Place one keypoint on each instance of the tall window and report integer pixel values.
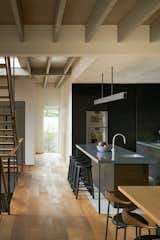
(51, 129)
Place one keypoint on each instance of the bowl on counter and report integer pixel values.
(104, 148)
(101, 148)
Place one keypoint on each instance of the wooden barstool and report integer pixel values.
(117, 220)
(130, 219)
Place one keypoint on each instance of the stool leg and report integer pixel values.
(69, 169)
(77, 182)
(74, 178)
(91, 182)
(107, 221)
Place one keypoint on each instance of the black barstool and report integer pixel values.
(75, 161)
(71, 165)
(83, 178)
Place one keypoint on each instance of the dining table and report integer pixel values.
(146, 198)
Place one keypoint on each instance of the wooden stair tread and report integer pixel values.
(6, 136)
(6, 122)
(4, 87)
(7, 129)
(6, 149)
(4, 106)
(6, 143)
(4, 96)
(11, 160)
(2, 65)
(5, 114)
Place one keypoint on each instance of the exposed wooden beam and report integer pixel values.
(59, 19)
(48, 65)
(28, 62)
(100, 11)
(17, 13)
(155, 30)
(53, 72)
(68, 65)
(139, 14)
(25, 63)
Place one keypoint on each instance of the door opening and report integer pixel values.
(51, 129)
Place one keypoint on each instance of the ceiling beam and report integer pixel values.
(99, 13)
(17, 13)
(28, 62)
(58, 71)
(137, 16)
(25, 63)
(68, 66)
(155, 30)
(59, 19)
(48, 65)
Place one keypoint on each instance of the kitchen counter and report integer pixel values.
(152, 151)
(122, 155)
(128, 168)
(155, 145)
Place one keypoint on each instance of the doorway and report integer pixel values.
(51, 129)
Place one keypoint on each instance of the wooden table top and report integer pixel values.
(147, 198)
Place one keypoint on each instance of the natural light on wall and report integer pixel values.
(14, 62)
(16, 68)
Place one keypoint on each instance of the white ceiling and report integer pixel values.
(126, 68)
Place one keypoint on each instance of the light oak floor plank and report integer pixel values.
(44, 207)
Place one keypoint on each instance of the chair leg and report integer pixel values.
(116, 235)
(136, 232)
(117, 226)
(140, 232)
(107, 221)
(125, 232)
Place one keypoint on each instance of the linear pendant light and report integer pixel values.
(112, 97)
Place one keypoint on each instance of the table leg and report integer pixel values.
(99, 188)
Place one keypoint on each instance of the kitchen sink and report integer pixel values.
(156, 144)
(136, 155)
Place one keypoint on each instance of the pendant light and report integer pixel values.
(112, 97)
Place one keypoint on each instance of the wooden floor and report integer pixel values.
(44, 207)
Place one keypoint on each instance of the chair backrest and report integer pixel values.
(111, 197)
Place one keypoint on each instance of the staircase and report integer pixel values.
(9, 143)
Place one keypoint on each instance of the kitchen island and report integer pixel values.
(128, 168)
(151, 149)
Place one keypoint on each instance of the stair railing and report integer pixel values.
(6, 184)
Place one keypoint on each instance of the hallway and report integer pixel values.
(44, 208)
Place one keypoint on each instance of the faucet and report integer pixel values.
(113, 143)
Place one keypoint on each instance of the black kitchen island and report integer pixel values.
(128, 168)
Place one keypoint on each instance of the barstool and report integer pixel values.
(117, 220)
(75, 161)
(83, 174)
(129, 218)
(71, 165)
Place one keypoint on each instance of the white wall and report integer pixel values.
(25, 91)
(36, 98)
(66, 119)
(43, 97)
